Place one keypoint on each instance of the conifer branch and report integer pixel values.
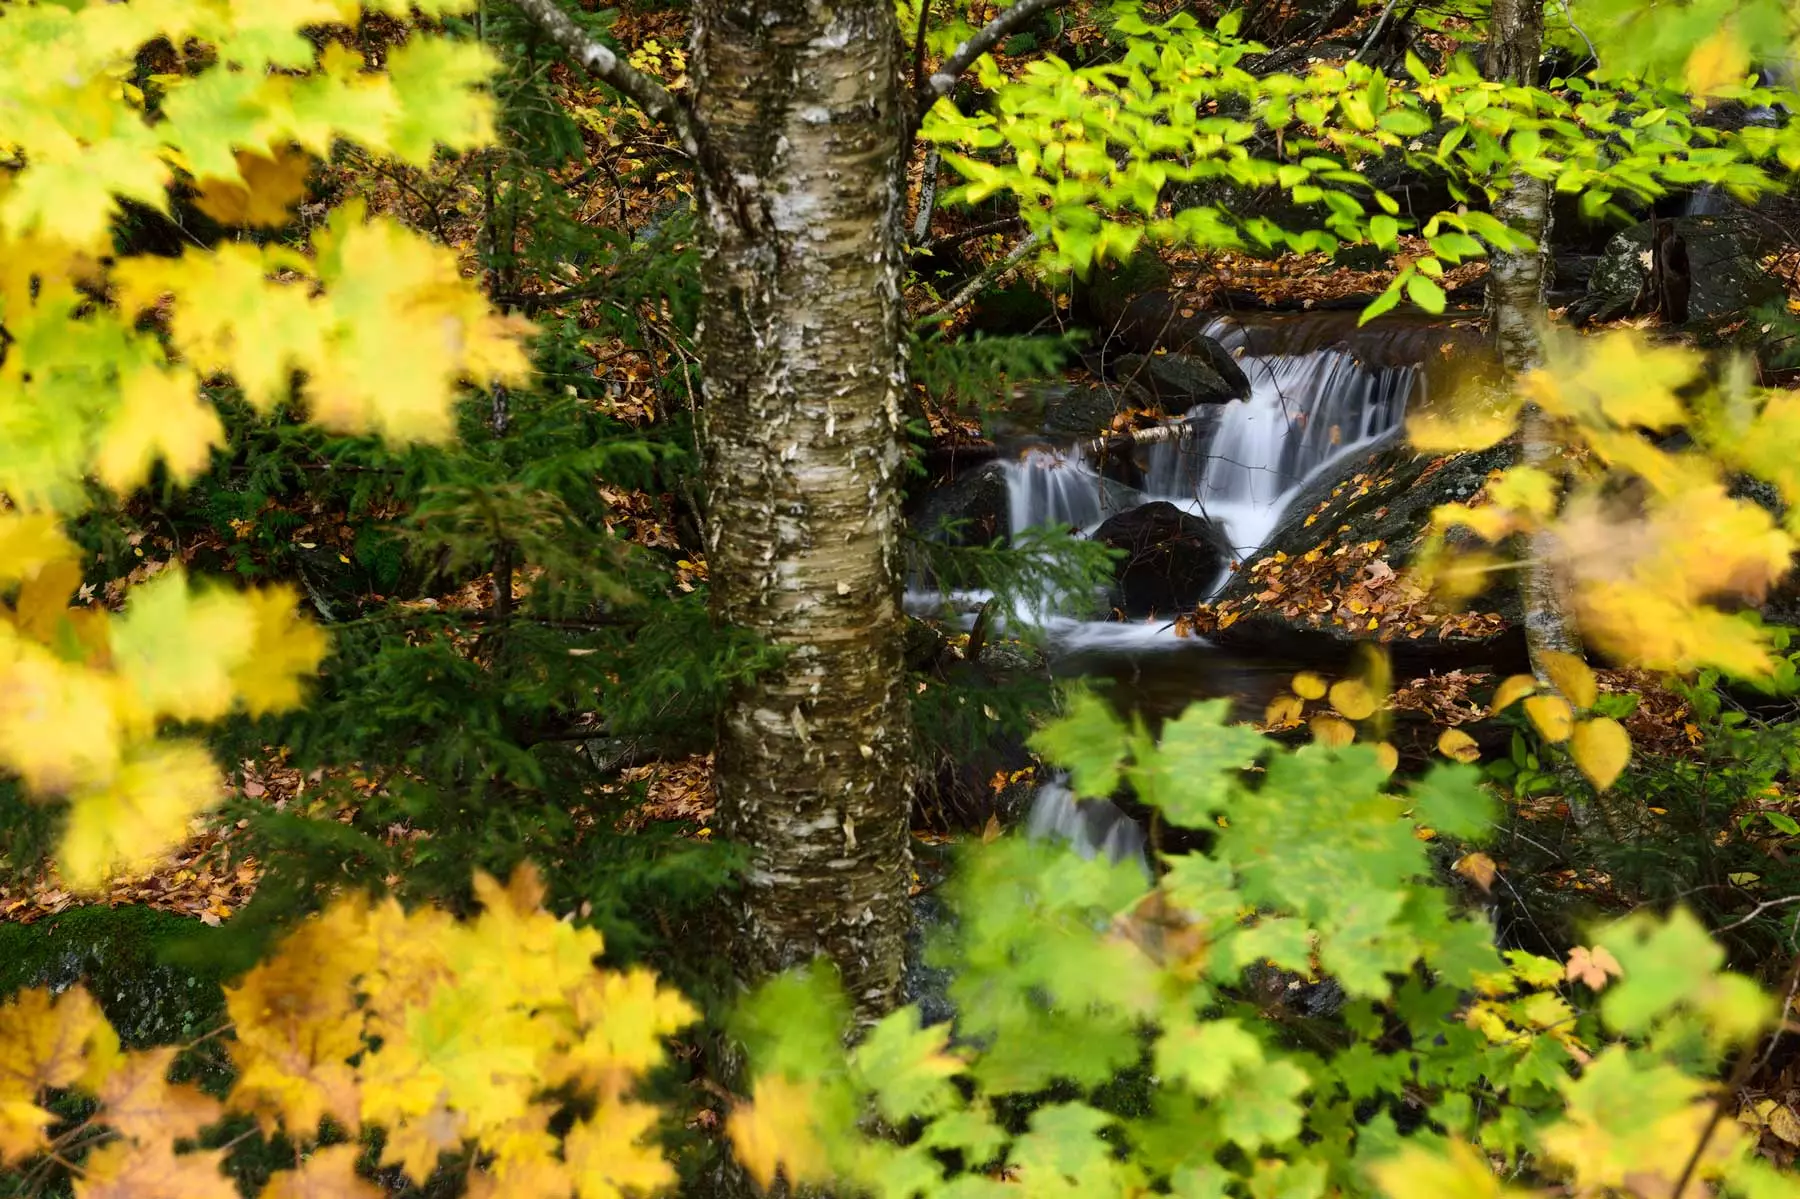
(992, 34)
(615, 72)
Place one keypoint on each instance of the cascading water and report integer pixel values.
(1304, 411)
(1047, 487)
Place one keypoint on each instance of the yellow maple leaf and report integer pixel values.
(30, 541)
(153, 1170)
(160, 415)
(328, 1173)
(777, 1131)
(50, 1041)
(138, 815)
(140, 1102)
(1718, 62)
(176, 648)
(43, 601)
(625, 1017)
(606, 1154)
(406, 329)
(1459, 1172)
(265, 192)
(285, 651)
(58, 723)
(22, 1125)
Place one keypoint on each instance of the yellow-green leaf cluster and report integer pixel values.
(1656, 555)
(449, 1035)
(84, 693)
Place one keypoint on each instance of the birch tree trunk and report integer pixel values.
(1516, 314)
(802, 112)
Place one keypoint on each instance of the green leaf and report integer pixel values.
(1662, 963)
(1451, 799)
(1383, 230)
(1193, 770)
(1380, 304)
(1089, 741)
(906, 1066)
(1425, 294)
(1206, 1056)
(1265, 1111)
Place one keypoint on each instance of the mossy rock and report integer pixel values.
(147, 969)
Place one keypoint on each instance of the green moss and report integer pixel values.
(147, 969)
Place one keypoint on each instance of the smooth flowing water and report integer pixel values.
(1241, 470)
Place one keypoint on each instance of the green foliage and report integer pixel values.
(1091, 152)
(1311, 883)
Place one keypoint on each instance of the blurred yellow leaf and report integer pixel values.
(1601, 747)
(160, 415)
(265, 192)
(1525, 489)
(285, 651)
(1571, 676)
(176, 647)
(1458, 1172)
(1284, 709)
(1308, 685)
(1388, 756)
(1478, 868)
(1454, 743)
(29, 542)
(1352, 699)
(140, 814)
(1332, 732)
(1719, 61)
(1510, 691)
(1551, 715)
(776, 1130)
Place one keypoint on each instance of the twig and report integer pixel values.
(927, 196)
(1740, 1074)
(621, 76)
(1003, 225)
(973, 287)
(992, 34)
(1758, 910)
(1375, 31)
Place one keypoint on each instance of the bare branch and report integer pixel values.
(927, 197)
(973, 287)
(612, 70)
(991, 35)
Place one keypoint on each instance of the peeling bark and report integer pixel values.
(803, 110)
(1516, 315)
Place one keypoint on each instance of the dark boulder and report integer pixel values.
(1724, 256)
(1178, 382)
(975, 502)
(1172, 559)
(1084, 408)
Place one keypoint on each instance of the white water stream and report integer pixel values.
(1305, 411)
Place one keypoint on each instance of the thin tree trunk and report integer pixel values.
(802, 110)
(1516, 315)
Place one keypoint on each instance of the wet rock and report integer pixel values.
(1172, 559)
(974, 502)
(1177, 382)
(1134, 310)
(1384, 494)
(1085, 408)
(1724, 253)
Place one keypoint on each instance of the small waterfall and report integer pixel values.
(1091, 827)
(1304, 411)
(1045, 487)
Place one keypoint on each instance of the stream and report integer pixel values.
(1321, 390)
